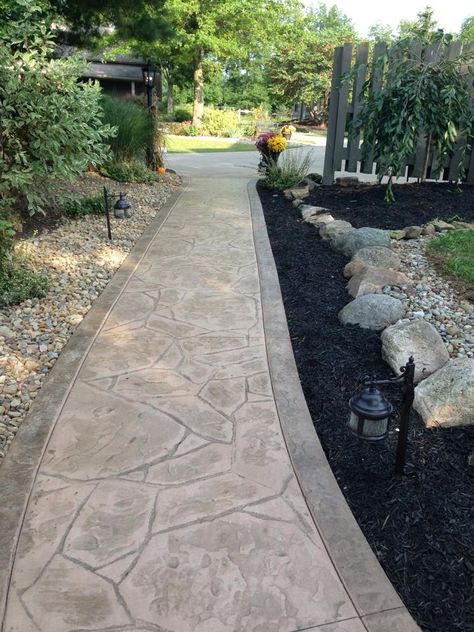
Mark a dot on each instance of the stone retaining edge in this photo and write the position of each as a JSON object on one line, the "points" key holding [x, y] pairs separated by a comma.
{"points": [[19, 467], [371, 592]]}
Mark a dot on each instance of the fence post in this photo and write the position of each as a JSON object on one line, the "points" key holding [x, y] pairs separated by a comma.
{"points": [[328, 173]]}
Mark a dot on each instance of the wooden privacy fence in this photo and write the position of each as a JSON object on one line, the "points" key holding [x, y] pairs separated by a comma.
{"points": [[345, 104]]}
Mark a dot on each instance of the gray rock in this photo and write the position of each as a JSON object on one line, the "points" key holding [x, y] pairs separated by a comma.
{"points": [[298, 192], [334, 229], [359, 238], [372, 311], [397, 234], [412, 232], [372, 280], [440, 225], [429, 229], [6, 332], [446, 398], [320, 220], [296, 203], [307, 210], [308, 183], [416, 338], [377, 256]]}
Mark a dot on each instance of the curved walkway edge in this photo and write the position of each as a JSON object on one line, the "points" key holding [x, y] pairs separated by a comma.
{"points": [[19, 468], [168, 477], [373, 596]]}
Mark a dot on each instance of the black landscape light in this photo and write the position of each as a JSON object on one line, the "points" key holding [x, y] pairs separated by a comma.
{"points": [[370, 411], [149, 73], [122, 209]]}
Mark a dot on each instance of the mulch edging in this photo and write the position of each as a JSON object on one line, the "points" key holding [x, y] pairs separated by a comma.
{"points": [[420, 527]]}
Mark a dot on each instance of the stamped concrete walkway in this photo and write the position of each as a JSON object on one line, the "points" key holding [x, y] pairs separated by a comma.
{"points": [[165, 499]]}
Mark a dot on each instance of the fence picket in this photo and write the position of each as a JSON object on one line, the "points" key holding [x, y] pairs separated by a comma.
{"points": [[328, 173], [353, 153], [342, 113], [380, 49]]}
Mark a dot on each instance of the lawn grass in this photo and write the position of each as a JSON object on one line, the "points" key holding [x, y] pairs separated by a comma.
{"points": [[453, 255], [188, 144]]}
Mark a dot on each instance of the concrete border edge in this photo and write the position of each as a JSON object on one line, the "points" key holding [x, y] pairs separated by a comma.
{"points": [[364, 579], [18, 469]]}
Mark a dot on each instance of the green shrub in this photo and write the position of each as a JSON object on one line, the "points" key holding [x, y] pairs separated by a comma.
{"points": [[291, 168], [132, 171], [219, 122], [7, 232], [183, 113], [133, 125], [51, 123], [81, 207], [18, 282], [178, 129]]}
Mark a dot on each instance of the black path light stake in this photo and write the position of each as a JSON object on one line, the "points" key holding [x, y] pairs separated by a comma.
{"points": [[122, 209], [370, 411], [149, 73]]}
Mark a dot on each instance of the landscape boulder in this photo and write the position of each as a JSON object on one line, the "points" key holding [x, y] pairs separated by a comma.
{"points": [[412, 232], [297, 193], [320, 220], [334, 229], [377, 256], [397, 234], [446, 398], [429, 229], [359, 238], [440, 225], [372, 280], [416, 338], [372, 311], [307, 210]]}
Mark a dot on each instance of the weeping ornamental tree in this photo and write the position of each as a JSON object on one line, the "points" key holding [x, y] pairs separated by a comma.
{"points": [[418, 96]]}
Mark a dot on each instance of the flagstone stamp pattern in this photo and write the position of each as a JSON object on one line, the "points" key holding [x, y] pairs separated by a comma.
{"points": [[166, 500]]}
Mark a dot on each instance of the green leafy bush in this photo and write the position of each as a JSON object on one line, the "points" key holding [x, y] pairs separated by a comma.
{"points": [[416, 97], [51, 124], [291, 168], [18, 282], [132, 171], [7, 232], [183, 113], [133, 124], [81, 207], [219, 122]]}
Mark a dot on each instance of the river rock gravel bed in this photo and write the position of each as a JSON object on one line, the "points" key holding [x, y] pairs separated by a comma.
{"points": [[434, 299], [79, 262]]}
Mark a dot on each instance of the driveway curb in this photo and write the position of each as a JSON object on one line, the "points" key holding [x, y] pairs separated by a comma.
{"points": [[18, 470], [376, 601]]}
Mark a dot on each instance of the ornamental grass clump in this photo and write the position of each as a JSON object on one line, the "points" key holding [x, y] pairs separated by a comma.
{"points": [[291, 170]]}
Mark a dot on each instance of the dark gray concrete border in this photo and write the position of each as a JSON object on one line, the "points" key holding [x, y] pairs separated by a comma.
{"points": [[19, 468], [373, 596]]}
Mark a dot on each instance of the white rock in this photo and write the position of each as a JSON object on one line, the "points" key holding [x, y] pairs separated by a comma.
{"points": [[446, 398], [416, 338]]}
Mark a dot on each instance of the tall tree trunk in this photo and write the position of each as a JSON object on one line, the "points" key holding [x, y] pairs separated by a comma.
{"points": [[198, 105], [169, 94]]}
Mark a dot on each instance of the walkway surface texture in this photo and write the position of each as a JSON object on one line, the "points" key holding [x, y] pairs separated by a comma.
{"points": [[165, 499]]}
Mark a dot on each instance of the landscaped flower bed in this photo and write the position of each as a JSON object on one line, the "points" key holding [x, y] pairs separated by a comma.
{"points": [[420, 526], [78, 261]]}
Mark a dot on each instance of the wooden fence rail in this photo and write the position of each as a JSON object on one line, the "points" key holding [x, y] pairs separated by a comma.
{"points": [[345, 104]]}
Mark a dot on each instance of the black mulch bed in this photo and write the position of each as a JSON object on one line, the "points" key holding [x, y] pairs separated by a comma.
{"points": [[421, 527], [414, 204]]}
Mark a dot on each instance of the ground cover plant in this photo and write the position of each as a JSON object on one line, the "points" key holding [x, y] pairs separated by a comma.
{"points": [[288, 171], [130, 171], [454, 255], [83, 206], [419, 526]]}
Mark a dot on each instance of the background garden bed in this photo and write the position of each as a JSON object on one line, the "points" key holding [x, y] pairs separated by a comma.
{"points": [[420, 526]]}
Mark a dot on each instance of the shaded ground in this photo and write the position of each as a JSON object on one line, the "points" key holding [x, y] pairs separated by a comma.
{"points": [[415, 204], [420, 527]]}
